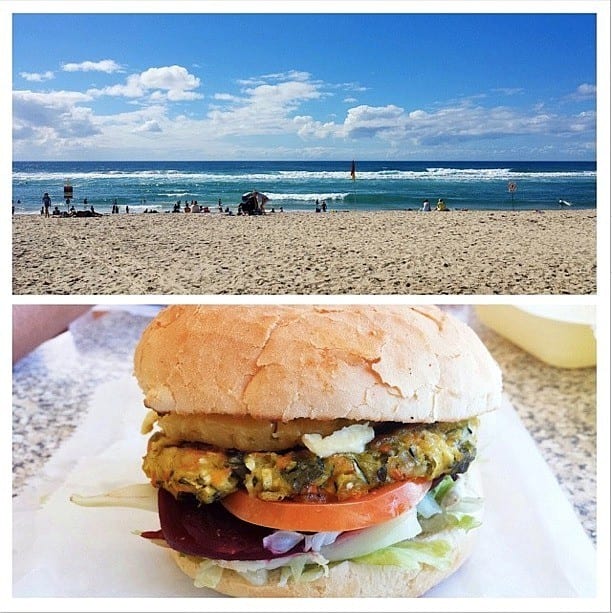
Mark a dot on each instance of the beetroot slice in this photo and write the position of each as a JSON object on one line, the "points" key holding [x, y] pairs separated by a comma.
{"points": [[209, 530]]}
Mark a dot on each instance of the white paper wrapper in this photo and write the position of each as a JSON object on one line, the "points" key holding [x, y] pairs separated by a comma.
{"points": [[531, 543]]}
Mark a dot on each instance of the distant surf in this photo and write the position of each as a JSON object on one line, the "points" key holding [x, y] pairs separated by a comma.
{"points": [[296, 186]]}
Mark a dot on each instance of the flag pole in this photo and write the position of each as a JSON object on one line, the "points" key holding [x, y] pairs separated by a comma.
{"points": [[353, 178]]}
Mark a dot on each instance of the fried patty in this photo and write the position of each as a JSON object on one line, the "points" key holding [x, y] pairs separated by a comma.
{"points": [[400, 453], [244, 433]]}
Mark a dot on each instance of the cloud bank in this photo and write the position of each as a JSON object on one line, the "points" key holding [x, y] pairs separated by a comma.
{"points": [[166, 111]]}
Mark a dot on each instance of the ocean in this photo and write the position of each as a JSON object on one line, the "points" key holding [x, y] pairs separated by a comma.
{"points": [[296, 186]]}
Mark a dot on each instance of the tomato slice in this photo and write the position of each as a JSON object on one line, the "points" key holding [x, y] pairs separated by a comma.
{"points": [[376, 506]]}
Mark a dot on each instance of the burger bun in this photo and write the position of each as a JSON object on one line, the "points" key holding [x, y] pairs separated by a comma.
{"points": [[405, 364]]}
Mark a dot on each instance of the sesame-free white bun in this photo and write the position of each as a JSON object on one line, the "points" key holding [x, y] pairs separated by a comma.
{"points": [[282, 362]]}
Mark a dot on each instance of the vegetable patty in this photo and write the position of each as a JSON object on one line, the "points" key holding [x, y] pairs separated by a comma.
{"points": [[397, 453]]}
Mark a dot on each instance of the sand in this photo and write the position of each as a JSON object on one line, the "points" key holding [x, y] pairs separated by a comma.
{"points": [[400, 252]]}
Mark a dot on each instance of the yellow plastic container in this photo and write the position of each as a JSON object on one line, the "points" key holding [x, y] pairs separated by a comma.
{"points": [[563, 336]]}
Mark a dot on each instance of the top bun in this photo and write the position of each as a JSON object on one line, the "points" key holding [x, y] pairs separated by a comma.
{"points": [[377, 363]]}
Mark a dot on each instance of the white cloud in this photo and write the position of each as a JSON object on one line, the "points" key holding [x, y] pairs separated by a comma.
{"points": [[364, 120], [173, 83], [175, 80], [37, 76], [307, 127], [352, 87], [509, 91], [226, 97], [277, 77], [275, 104], [52, 116], [265, 108], [585, 90], [107, 66], [450, 124], [152, 125]]}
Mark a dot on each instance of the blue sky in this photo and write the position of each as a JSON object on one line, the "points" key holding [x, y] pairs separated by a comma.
{"points": [[304, 86]]}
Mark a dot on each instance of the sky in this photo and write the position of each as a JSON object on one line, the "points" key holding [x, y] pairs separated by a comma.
{"points": [[308, 86]]}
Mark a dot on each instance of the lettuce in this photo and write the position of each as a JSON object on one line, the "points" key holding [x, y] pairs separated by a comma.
{"points": [[445, 521], [411, 555], [458, 507], [208, 574], [444, 486]]}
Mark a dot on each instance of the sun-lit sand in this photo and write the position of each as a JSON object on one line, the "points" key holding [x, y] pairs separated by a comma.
{"points": [[399, 252]]}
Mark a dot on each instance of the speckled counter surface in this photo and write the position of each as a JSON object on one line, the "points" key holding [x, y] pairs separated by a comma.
{"points": [[557, 406]]}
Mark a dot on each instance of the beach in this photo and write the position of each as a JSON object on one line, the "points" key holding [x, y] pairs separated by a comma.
{"points": [[374, 253]]}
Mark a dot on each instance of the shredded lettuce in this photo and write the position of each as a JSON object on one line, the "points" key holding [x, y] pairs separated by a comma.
{"points": [[459, 507], [442, 488], [208, 574], [411, 555], [445, 521]]}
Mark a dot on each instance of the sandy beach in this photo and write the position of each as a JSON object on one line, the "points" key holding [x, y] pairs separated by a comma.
{"points": [[400, 252]]}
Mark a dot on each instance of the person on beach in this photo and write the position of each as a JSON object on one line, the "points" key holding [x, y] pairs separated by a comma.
{"points": [[127, 208], [426, 205], [46, 203], [324, 206], [441, 206]]}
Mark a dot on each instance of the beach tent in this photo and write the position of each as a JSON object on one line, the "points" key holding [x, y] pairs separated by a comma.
{"points": [[253, 202]]}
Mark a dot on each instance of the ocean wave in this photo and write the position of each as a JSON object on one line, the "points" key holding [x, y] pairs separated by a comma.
{"points": [[303, 176], [307, 197]]}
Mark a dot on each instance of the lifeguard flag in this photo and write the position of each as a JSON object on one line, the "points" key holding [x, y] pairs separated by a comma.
{"points": [[353, 170]]}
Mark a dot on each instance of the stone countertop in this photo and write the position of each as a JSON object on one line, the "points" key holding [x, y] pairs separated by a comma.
{"points": [[557, 406]]}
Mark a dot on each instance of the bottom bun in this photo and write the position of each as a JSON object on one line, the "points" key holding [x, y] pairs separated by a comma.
{"points": [[344, 580]]}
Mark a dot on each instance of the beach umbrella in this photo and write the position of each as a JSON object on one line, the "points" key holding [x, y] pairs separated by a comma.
{"points": [[253, 201]]}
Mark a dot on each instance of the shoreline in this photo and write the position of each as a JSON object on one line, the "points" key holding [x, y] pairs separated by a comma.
{"points": [[375, 253], [164, 209]]}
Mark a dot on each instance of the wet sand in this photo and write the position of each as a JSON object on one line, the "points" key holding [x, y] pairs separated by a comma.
{"points": [[399, 252]]}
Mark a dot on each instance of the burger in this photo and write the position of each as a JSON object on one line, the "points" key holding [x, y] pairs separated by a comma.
{"points": [[314, 450]]}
